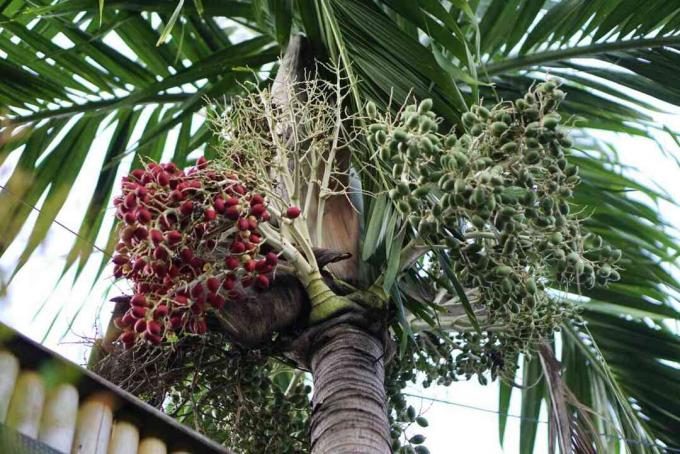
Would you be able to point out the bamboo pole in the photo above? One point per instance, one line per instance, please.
(151, 445)
(124, 438)
(26, 405)
(93, 429)
(58, 424)
(9, 370)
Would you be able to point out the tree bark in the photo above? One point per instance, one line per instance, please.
(349, 411)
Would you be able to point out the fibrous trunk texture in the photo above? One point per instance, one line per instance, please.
(349, 413)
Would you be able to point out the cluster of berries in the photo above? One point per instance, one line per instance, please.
(189, 243)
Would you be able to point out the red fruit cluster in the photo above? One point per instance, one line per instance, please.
(189, 242)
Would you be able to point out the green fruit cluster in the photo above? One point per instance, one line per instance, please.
(497, 195)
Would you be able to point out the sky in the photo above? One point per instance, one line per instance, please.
(35, 302)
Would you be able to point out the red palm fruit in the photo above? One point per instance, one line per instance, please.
(202, 163)
(127, 319)
(231, 201)
(153, 327)
(139, 265)
(120, 259)
(237, 247)
(186, 208)
(195, 184)
(272, 258)
(141, 233)
(210, 214)
(162, 178)
(249, 246)
(117, 201)
(266, 216)
(143, 215)
(233, 212)
(243, 224)
(197, 290)
(210, 244)
(176, 195)
(262, 281)
(293, 212)
(186, 255)
(160, 253)
(146, 178)
(156, 236)
(216, 301)
(254, 238)
(173, 271)
(244, 234)
(257, 210)
(140, 325)
(130, 201)
(173, 237)
(130, 217)
(127, 338)
(213, 284)
(119, 323)
(138, 299)
(235, 295)
(250, 265)
(153, 167)
(256, 199)
(160, 269)
(138, 312)
(219, 204)
(143, 287)
(181, 300)
(239, 189)
(121, 247)
(261, 266)
(197, 263)
(169, 167)
(232, 262)
(246, 281)
(229, 282)
(252, 222)
(176, 321)
(141, 192)
(152, 338)
(160, 311)
(137, 173)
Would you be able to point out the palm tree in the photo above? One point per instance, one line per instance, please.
(71, 68)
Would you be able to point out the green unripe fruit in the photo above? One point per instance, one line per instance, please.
(483, 112)
(521, 104)
(532, 143)
(547, 205)
(411, 413)
(375, 127)
(529, 98)
(531, 286)
(498, 128)
(556, 238)
(400, 135)
(461, 158)
(533, 129)
(422, 450)
(422, 422)
(502, 270)
(417, 439)
(470, 119)
(509, 147)
(614, 276)
(532, 157)
(477, 130)
(573, 257)
(478, 221)
(421, 191)
(478, 196)
(550, 122)
(380, 137)
(404, 207)
(532, 114)
(459, 186)
(425, 106)
(371, 109)
(450, 141)
(426, 145)
(546, 87)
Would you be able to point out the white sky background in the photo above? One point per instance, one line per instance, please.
(466, 429)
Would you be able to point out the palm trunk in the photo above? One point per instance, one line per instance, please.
(349, 412)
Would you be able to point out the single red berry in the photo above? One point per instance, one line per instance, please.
(231, 201)
(210, 214)
(246, 281)
(121, 259)
(173, 237)
(138, 312)
(201, 326)
(143, 215)
(169, 167)
(120, 324)
(243, 224)
(140, 326)
(262, 281)
(156, 236)
(186, 254)
(181, 300)
(237, 247)
(160, 311)
(233, 212)
(266, 216)
(216, 301)
(176, 195)
(176, 321)
(213, 284)
(127, 319)
(141, 233)
(232, 262)
(256, 199)
(202, 163)
(186, 208)
(272, 258)
(249, 266)
(254, 238)
(130, 217)
(197, 290)
(262, 266)
(130, 201)
(257, 210)
(153, 327)
(141, 192)
(138, 299)
(160, 253)
(229, 282)
(127, 338)
(137, 173)
(293, 212)
(152, 338)
(219, 204)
